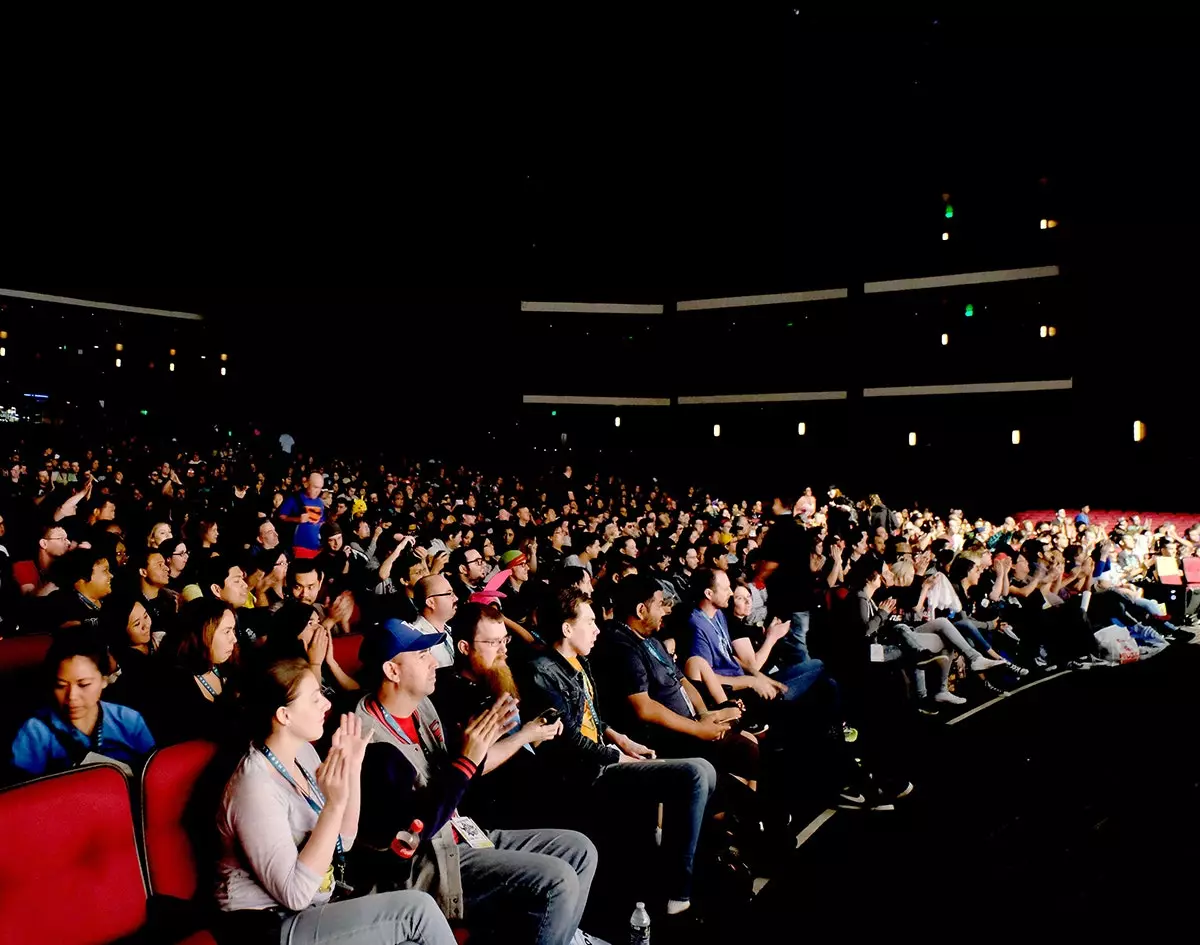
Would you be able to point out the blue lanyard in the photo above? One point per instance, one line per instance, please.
(653, 652)
(316, 804)
(391, 722)
(722, 637)
(207, 685)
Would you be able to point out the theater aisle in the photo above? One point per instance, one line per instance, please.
(1074, 805)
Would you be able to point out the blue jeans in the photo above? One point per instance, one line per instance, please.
(683, 787)
(532, 887)
(404, 917)
(798, 678)
(793, 648)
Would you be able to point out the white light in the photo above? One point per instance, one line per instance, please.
(716, 429)
(801, 429)
(1043, 224)
(945, 338)
(1042, 331)
(1016, 438)
(222, 372)
(3, 352)
(616, 421)
(912, 439)
(118, 362)
(172, 366)
(1139, 431)
(945, 236)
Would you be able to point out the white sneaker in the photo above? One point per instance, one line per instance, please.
(982, 663)
(949, 698)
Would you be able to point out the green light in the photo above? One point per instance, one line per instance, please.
(230, 433)
(949, 210)
(790, 324)
(970, 310)
(144, 413)
(554, 413)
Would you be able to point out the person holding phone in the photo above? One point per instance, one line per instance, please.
(480, 675)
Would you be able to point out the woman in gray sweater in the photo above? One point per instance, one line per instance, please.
(285, 822)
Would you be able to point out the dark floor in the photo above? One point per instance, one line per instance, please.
(1071, 805)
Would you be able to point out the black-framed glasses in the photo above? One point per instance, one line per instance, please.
(443, 594)
(475, 561)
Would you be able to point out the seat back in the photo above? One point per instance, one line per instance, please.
(1168, 570)
(72, 874)
(345, 651)
(1191, 569)
(20, 659)
(169, 818)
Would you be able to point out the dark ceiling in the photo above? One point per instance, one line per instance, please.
(608, 154)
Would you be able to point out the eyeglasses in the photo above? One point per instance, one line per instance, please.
(443, 594)
(180, 554)
(503, 641)
(475, 561)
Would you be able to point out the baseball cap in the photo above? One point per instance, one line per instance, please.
(392, 637)
(513, 559)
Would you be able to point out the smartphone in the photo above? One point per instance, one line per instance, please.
(549, 717)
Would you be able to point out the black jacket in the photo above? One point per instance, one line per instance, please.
(555, 682)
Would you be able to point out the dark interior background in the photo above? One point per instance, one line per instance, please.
(359, 241)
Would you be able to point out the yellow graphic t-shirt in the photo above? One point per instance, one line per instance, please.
(588, 727)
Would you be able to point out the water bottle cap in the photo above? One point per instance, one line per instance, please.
(416, 826)
(641, 905)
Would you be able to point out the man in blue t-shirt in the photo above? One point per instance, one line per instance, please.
(307, 512)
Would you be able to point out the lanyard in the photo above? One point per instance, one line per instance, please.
(317, 804)
(207, 685)
(722, 636)
(98, 734)
(379, 710)
(671, 667)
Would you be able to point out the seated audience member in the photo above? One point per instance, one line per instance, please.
(196, 694)
(465, 572)
(437, 603)
(160, 535)
(176, 554)
(86, 580)
(36, 577)
(133, 645)
(506, 885)
(297, 631)
(753, 645)
(709, 657)
(77, 727)
(519, 601)
(286, 820)
(153, 576)
(623, 775)
(481, 675)
(268, 573)
(662, 706)
(225, 580)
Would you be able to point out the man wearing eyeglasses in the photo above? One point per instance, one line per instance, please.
(437, 603)
(466, 569)
(479, 676)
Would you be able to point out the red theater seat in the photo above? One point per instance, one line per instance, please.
(72, 874)
(345, 651)
(168, 787)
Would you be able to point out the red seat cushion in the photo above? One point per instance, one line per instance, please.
(20, 654)
(345, 651)
(72, 874)
(168, 787)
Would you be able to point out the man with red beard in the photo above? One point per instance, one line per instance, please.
(480, 675)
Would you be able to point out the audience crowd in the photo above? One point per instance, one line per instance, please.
(573, 693)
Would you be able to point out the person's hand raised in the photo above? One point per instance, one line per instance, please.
(483, 731)
(319, 646)
(350, 739)
(778, 628)
(333, 780)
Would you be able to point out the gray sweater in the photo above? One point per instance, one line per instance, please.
(263, 822)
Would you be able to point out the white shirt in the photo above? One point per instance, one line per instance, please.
(444, 653)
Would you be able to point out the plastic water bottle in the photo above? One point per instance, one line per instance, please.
(639, 926)
(407, 841)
